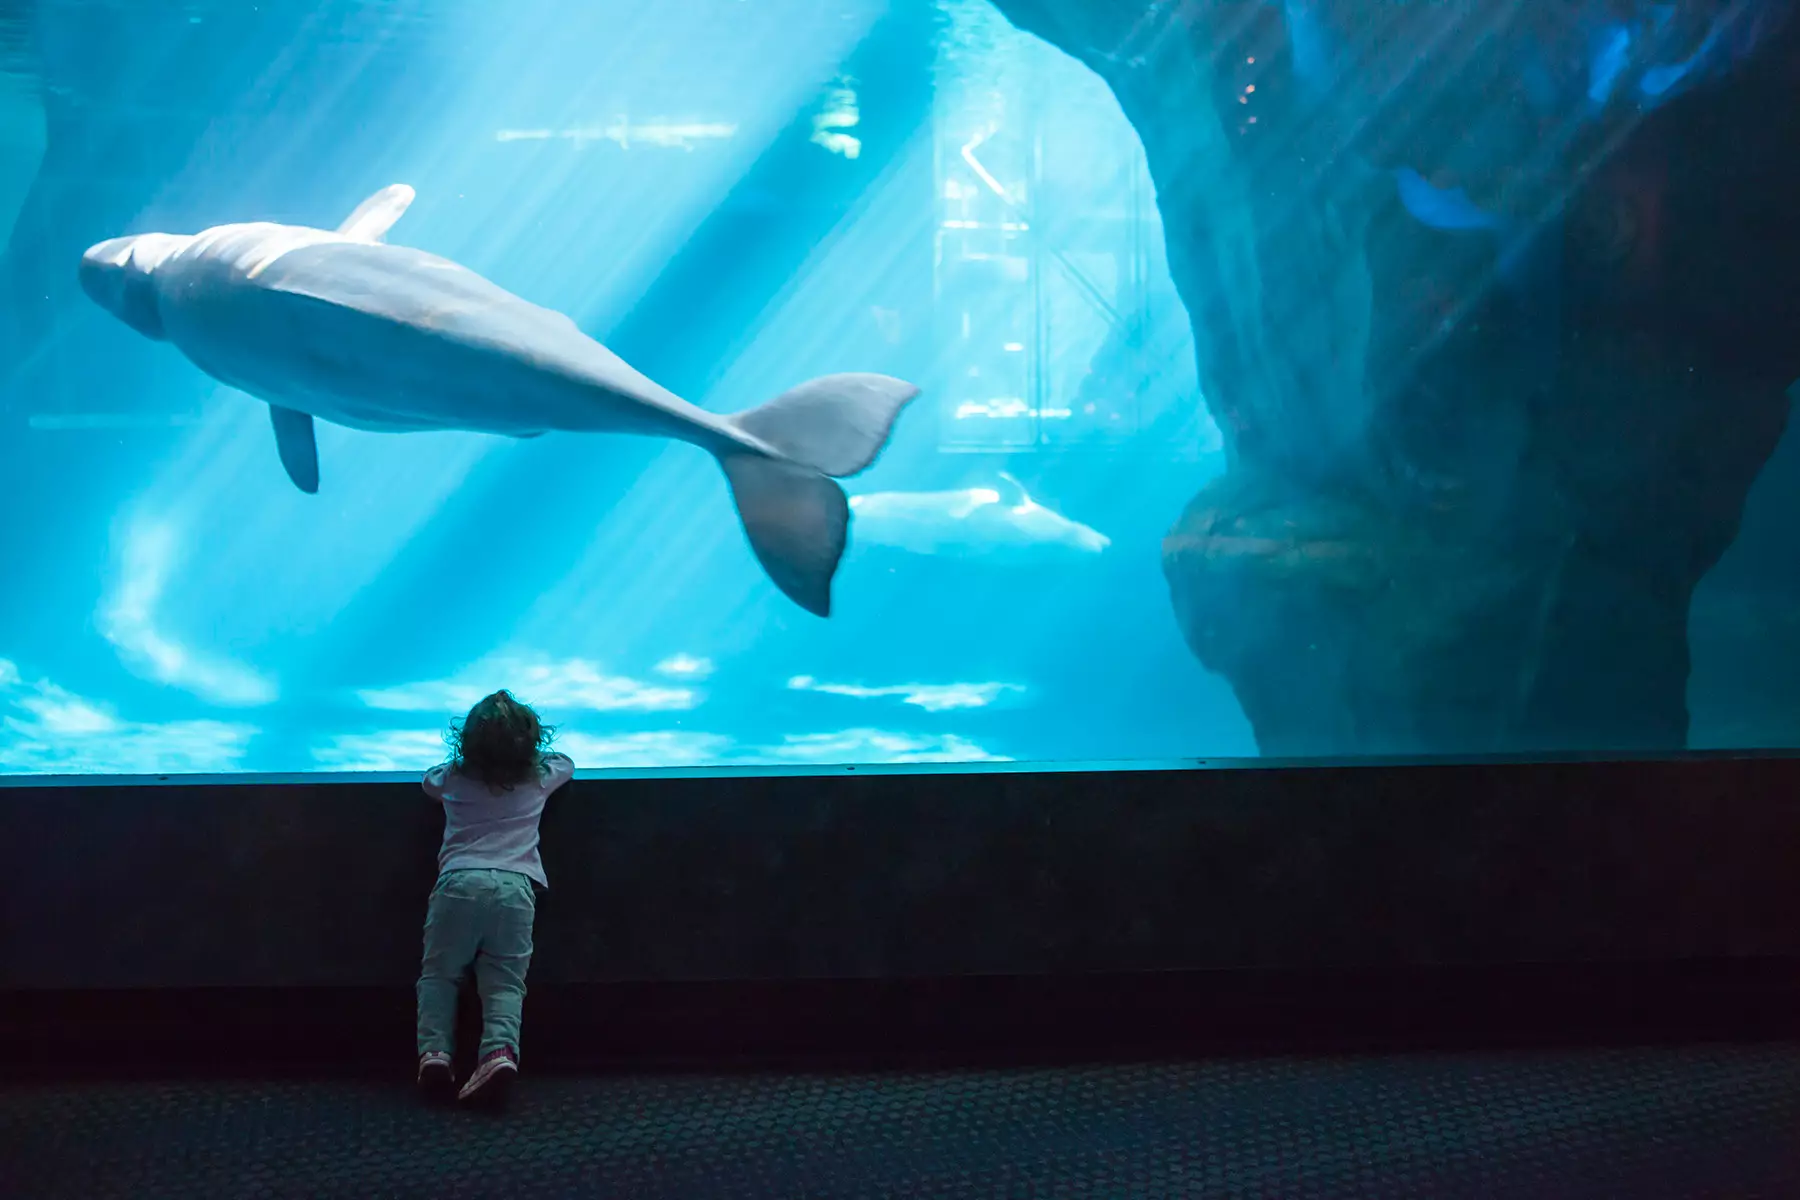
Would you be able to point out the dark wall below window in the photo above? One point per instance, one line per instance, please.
(882, 876)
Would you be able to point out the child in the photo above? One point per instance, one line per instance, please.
(493, 791)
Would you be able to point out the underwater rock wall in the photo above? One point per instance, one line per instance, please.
(1495, 309)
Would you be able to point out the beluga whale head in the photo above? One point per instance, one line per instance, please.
(116, 275)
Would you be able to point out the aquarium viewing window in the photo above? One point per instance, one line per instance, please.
(1222, 441)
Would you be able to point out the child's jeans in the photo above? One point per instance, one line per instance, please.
(484, 917)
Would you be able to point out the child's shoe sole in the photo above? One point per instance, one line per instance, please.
(437, 1082)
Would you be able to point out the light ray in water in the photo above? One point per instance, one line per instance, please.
(129, 621)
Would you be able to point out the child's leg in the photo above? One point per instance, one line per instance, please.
(505, 955)
(452, 932)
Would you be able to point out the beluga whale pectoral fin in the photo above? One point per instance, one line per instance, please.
(376, 215)
(298, 447)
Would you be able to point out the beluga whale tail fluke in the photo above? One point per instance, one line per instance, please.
(342, 326)
(796, 517)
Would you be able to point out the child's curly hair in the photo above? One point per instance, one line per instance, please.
(499, 743)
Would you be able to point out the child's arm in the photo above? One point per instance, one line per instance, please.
(558, 770)
(434, 781)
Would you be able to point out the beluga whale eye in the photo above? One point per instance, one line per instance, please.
(116, 275)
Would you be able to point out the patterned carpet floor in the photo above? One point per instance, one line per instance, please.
(1669, 1122)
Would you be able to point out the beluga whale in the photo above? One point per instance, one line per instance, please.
(342, 326)
(1002, 523)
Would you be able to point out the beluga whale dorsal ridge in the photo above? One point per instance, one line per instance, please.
(343, 326)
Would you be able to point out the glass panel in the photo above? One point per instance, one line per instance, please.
(1322, 378)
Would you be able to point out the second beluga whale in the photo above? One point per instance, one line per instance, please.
(1001, 523)
(342, 326)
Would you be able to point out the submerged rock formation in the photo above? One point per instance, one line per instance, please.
(1495, 304)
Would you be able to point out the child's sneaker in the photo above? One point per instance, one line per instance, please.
(437, 1079)
(492, 1080)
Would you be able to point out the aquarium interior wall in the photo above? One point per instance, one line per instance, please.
(1277, 396)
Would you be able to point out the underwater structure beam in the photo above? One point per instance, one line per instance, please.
(1484, 439)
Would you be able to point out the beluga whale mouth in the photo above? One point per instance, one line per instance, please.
(339, 325)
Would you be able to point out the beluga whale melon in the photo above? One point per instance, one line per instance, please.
(341, 326)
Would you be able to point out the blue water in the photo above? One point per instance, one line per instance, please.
(679, 180)
(735, 196)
